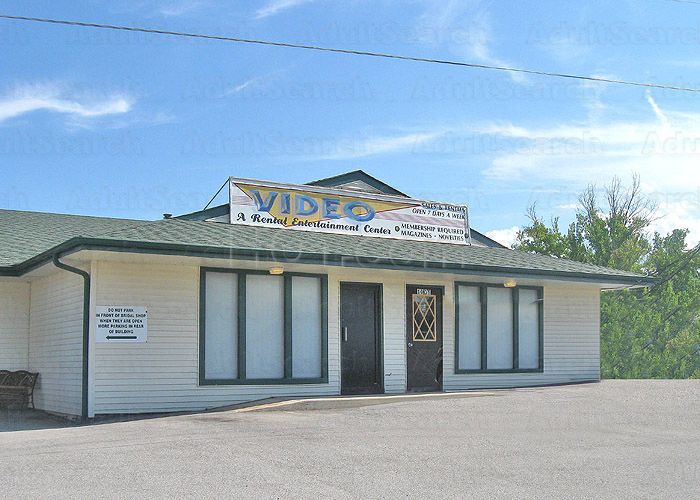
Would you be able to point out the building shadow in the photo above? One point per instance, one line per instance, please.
(26, 419)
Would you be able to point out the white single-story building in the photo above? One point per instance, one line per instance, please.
(201, 311)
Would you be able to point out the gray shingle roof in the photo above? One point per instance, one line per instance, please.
(24, 235)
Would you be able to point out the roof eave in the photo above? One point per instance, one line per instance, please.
(80, 243)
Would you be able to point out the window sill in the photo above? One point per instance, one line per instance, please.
(264, 381)
(484, 372)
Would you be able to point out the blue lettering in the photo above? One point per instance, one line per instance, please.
(350, 211)
(302, 200)
(285, 204)
(264, 206)
(330, 207)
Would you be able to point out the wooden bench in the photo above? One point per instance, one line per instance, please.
(17, 387)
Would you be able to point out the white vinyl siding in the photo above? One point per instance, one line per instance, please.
(307, 327)
(221, 325)
(571, 342)
(264, 331)
(14, 325)
(393, 315)
(56, 342)
(163, 374)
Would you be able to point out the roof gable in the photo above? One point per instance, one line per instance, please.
(357, 180)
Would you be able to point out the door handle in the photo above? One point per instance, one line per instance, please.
(410, 344)
(345, 334)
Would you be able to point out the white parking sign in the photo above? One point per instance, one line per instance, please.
(120, 324)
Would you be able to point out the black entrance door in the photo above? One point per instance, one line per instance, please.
(360, 320)
(424, 337)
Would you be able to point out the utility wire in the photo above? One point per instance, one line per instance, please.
(686, 259)
(349, 51)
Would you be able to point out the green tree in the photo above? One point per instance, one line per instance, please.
(645, 332)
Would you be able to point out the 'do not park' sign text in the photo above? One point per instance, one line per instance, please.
(117, 324)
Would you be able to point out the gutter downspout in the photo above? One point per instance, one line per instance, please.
(86, 329)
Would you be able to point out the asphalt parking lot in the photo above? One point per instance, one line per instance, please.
(615, 439)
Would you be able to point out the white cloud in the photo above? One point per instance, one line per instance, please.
(679, 214)
(175, 9)
(276, 6)
(566, 48)
(663, 148)
(131, 120)
(54, 98)
(243, 86)
(507, 236)
(154, 8)
(663, 119)
(480, 41)
(592, 96)
(465, 27)
(350, 148)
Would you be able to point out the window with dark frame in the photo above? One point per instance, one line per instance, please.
(498, 329)
(424, 317)
(257, 328)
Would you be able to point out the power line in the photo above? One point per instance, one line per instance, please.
(685, 261)
(348, 51)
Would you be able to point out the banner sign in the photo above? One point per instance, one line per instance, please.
(121, 324)
(311, 208)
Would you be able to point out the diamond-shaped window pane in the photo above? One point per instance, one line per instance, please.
(424, 318)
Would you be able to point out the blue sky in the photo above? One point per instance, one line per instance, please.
(134, 125)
